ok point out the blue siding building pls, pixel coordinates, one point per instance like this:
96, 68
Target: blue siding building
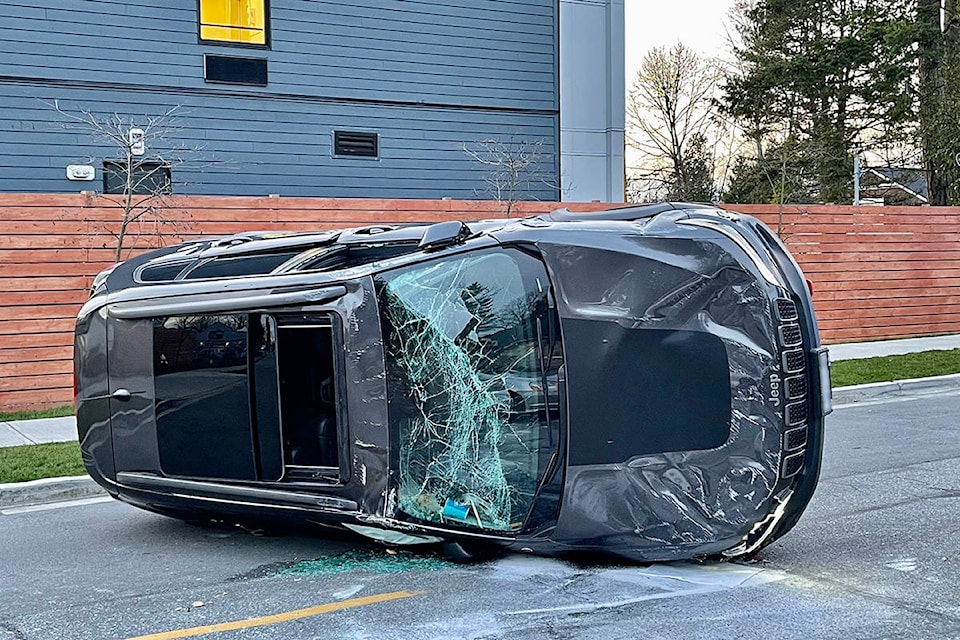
335, 98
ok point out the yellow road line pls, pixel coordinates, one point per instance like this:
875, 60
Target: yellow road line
280, 617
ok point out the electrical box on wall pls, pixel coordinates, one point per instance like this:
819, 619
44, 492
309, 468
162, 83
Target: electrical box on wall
83, 172
137, 144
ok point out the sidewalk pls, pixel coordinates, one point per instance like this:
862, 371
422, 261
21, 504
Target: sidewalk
20, 432
857, 350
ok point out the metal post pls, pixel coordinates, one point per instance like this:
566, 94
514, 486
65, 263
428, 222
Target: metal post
856, 177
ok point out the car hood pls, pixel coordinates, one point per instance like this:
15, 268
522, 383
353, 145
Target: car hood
670, 350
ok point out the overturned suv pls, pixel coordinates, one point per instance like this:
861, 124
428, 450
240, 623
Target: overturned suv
645, 381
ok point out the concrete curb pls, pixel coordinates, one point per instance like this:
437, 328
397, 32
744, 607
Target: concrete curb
899, 388
19, 494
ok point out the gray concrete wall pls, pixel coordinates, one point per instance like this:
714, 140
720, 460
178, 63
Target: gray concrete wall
592, 96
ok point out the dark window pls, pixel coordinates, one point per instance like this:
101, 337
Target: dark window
240, 266
146, 178
356, 144
202, 396
162, 272
233, 70
235, 22
346, 256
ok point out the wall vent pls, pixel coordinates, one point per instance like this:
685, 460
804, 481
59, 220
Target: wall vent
356, 144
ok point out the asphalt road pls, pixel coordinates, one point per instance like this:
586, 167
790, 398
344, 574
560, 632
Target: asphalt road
877, 555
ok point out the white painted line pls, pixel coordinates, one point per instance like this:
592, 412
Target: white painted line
12, 511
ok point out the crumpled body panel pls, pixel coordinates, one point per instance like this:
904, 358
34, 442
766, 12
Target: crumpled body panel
675, 503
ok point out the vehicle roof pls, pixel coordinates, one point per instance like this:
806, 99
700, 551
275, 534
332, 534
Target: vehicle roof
398, 238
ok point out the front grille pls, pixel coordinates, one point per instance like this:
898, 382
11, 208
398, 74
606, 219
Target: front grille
792, 465
793, 361
796, 387
795, 438
790, 335
796, 413
786, 310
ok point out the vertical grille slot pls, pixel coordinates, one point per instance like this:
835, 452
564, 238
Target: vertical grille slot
792, 465
786, 310
794, 439
793, 361
796, 387
790, 335
796, 413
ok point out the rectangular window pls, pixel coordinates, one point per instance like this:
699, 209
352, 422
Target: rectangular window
234, 21
234, 70
148, 178
201, 376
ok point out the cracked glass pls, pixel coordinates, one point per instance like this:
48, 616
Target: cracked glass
464, 349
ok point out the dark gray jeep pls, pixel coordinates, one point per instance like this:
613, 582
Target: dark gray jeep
646, 381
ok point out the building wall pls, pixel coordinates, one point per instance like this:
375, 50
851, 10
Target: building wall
592, 100
430, 76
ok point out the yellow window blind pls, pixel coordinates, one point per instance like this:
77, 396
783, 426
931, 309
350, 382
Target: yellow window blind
241, 21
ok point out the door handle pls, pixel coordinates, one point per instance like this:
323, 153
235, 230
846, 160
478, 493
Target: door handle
121, 394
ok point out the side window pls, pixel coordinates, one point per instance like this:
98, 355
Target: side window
243, 22
145, 178
465, 386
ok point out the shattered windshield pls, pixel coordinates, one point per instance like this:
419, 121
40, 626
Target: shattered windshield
465, 386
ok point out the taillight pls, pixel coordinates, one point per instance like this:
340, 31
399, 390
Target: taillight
809, 285
101, 277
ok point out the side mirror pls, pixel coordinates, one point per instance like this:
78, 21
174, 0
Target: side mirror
444, 234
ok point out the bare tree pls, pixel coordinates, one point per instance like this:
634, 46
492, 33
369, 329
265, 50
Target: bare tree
670, 104
514, 169
146, 150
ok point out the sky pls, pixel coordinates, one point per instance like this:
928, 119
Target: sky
698, 24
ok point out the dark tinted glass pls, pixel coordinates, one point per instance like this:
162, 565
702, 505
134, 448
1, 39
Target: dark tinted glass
146, 178
162, 272
233, 70
202, 396
240, 266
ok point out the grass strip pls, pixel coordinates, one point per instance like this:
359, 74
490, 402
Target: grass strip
35, 461
56, 412
924, 364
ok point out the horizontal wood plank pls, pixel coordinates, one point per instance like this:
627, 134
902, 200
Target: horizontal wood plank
877, 272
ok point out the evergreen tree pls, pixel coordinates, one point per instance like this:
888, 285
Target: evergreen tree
824, 74
696, 183
939, 98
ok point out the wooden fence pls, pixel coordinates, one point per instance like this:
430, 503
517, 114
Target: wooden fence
52, 246
877, 272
